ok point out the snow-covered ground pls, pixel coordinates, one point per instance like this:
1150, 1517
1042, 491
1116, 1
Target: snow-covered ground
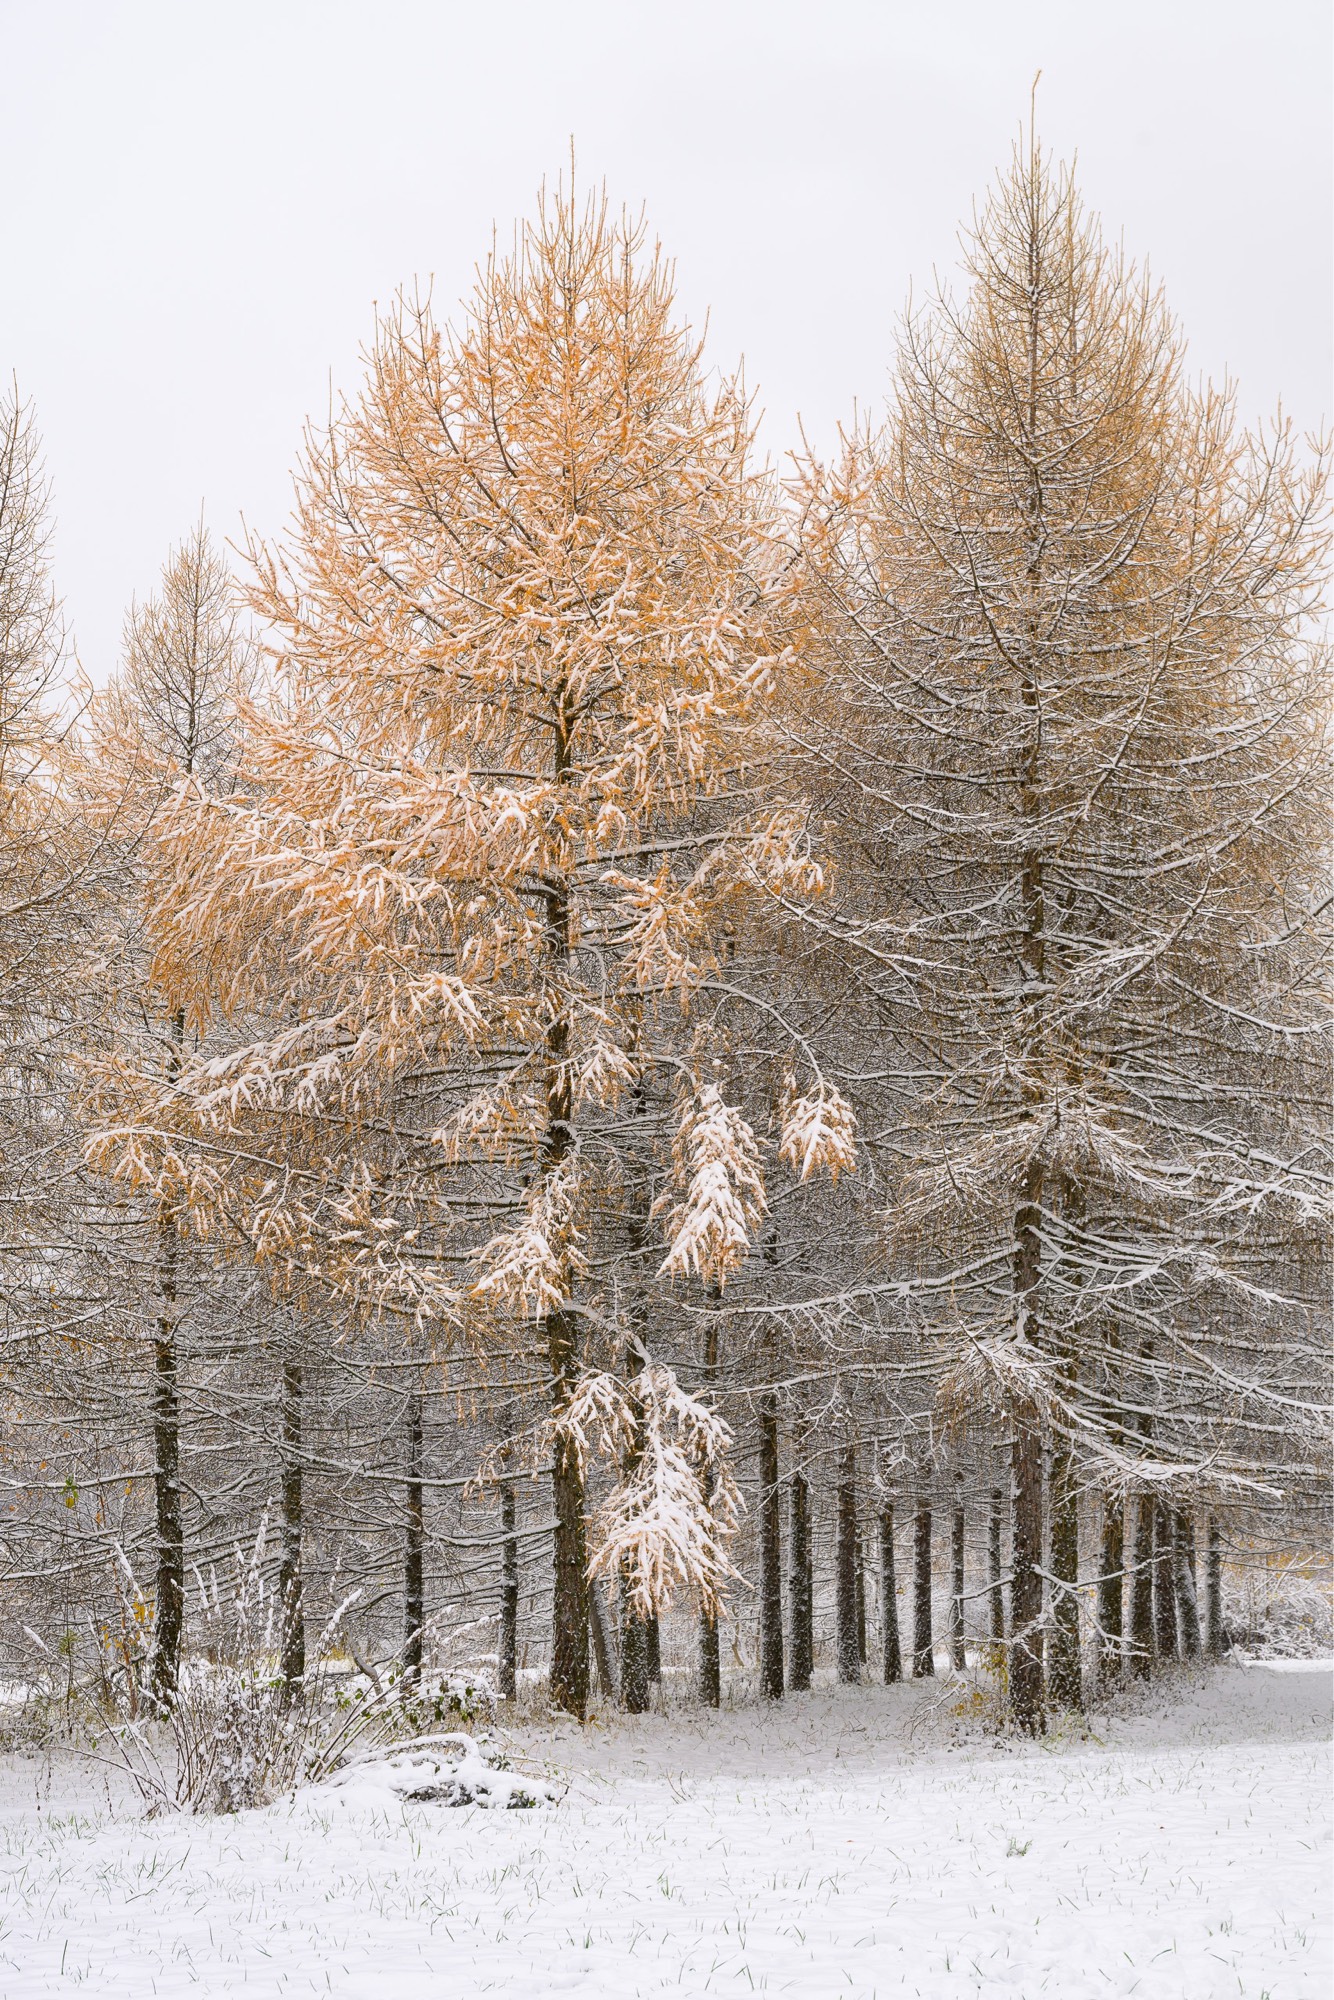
869, 1842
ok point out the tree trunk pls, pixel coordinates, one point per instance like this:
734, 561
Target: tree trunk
958, 1649
710, 1654
602, 1652
569, 1597
1141, 1591
845, 1570
996, 1591
1065, 1680
634, 1655
1027, 1706
800, 1587
1164, 1594
771, 1554
414, 1558
1110, 1593
1183, 1580
890, 1650
634, 1690
508, 1642
860, 1561
1214, 1571
710, 1662
923, 1638
569, 1594
292, 1630
653, 1648
169, 1615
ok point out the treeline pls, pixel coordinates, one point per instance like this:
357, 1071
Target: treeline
603, 1029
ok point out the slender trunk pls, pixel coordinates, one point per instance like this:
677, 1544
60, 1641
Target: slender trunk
958, 1531
996, 1590
710, 1662
634, 1692
414, 1554
890, 1650
170, 1581
1065, 1681
1164, 1595
800, 1587
508, 1642
771, 1554
1183, 1581
1141, 1591
653, 1648
570, 1615
710, 1655
1214, 1571
634, 1655
1110, 1593
292, 1631
923, 1638
1027, 1706
602, 1652
860, 1562
845, 1570
569, 1595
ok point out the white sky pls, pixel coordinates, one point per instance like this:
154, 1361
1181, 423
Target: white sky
203, 198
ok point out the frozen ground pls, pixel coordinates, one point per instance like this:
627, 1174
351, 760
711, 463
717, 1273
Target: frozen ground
864, 1843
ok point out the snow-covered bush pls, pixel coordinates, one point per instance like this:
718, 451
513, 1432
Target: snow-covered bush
447, 1770
236, 1732
1280, 1609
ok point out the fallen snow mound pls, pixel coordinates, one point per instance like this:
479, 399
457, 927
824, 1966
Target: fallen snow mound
448, 1770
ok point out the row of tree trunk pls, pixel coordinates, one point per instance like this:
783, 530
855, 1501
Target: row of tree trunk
1144, 1542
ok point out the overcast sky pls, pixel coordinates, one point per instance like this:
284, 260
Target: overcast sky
202, 199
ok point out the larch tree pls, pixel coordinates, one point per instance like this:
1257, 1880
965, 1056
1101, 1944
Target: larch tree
487, 830
169, 716
1070, 726
57, 875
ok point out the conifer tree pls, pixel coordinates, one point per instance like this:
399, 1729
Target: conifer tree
522, 640
1071, 729
170, 715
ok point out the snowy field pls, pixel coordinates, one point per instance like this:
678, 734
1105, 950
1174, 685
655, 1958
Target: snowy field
869, 1843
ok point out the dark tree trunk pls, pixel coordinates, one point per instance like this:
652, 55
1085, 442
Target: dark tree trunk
569, 1608
634, 1655
1110, 1593
1164, 1593
801, 1585
958, 1531
1213, 1560
414, 1559
1183, 1580
845, 1570
1027, 1705
1141, 1591
710, 1653
1065, 1680
710, 1662
292, 1631
923, 1637
560, 1328
771, 1554
890, 1651
653, 1648
508, 1643
860, 1560
634, 1691
170, 1581
996, 1591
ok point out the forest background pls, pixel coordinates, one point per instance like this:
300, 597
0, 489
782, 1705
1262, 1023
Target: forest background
594, 1027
